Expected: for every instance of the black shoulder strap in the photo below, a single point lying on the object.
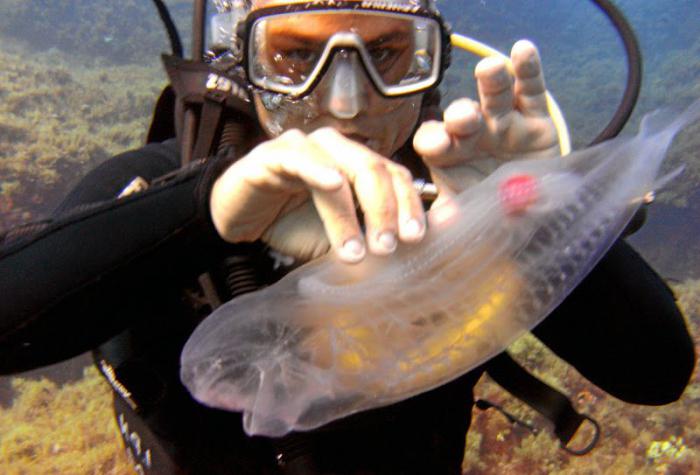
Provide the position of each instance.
(546, 400)
(209, 94)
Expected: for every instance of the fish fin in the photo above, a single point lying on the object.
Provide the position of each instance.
(669, 120)
(661, 181)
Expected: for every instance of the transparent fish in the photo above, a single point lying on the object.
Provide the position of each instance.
(331, 339)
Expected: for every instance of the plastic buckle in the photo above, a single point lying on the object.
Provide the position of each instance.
(593, 442)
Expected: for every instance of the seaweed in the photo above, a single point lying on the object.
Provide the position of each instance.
(59, 119)
(64, 429)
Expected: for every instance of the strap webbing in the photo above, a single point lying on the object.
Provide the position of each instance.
(209, 122)
(546, 400)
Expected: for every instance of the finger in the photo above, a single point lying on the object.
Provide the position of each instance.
(411, 215)
(373, 185)
(337, 212)
(439, 149)
(432, 142)
(291, 158)
(300, 157)
(495, 88)
(443, 211)
(530, 91)
(463, 118)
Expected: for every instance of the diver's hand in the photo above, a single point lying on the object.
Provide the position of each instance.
(510, 121)
(267, 193)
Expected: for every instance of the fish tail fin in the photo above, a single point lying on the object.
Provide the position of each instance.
(657, 131)
(669, 121)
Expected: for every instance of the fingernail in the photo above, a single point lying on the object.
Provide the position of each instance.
(386, 242)
(413, 229)
(353, 250)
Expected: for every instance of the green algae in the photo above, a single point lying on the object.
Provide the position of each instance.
(58, 120)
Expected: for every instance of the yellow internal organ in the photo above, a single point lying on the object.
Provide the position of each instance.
(446, 341)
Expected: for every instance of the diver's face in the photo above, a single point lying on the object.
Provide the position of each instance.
(345, 97)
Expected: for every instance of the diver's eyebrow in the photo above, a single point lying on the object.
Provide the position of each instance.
(296, 39)
(395, 35)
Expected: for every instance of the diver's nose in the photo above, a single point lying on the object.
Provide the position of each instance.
(346, 96)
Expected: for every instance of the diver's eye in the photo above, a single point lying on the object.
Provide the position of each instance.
(381, 55)
(300, 55)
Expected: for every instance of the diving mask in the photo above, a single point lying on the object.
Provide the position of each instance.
(404, 49)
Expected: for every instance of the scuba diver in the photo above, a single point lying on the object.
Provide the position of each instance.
(343, 109)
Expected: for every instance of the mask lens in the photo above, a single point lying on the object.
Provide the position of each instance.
(281, 54)
(287, 52)
(422, 60)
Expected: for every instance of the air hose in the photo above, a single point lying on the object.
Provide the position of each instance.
(634, 71)
(170, 28)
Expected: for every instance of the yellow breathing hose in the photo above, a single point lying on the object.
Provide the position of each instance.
(480, 49)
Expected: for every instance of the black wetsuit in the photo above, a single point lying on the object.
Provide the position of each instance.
(121, 276)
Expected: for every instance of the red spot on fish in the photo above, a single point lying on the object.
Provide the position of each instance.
(517, 193)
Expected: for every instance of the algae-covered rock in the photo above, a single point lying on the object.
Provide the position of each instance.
(66, 429)
(60, 118)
